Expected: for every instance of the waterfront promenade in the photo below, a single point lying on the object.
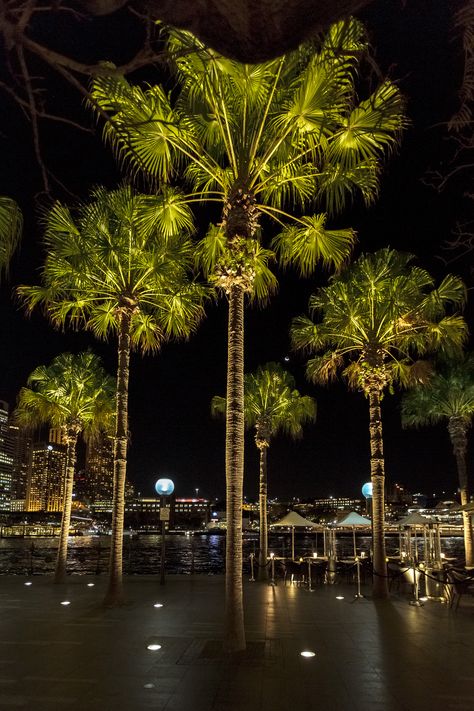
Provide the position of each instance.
(368, 657)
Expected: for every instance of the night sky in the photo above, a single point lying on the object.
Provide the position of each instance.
(171, 428)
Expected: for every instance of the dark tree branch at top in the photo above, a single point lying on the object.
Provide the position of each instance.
(247, 30)
(243, 29)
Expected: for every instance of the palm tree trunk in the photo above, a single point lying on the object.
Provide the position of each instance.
(234, 640)
(114, 594)
(458, 433)
(377, 475)
(263, 570)
(61, 558)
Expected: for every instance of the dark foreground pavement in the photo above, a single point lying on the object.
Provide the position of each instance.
(369, 656)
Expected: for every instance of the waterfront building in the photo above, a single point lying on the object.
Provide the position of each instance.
(6, 459)
(191, 513)
(334, 503)
(45, 489)
(97, 481)
(21, 446)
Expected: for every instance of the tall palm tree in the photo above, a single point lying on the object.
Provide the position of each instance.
(448, 397)
(272, 404)
(373, 320)
(11, 224)
(254, 140)
(75, 395)
(120, 266)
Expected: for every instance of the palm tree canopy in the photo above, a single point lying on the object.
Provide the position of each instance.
(258, 138)
(272, 404)
(74, 391)
(11, 224)
(376, 317)
(448, 394)
(121, 251)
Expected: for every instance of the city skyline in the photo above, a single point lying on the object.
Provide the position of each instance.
(172, 432)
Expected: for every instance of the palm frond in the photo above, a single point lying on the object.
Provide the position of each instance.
(308, 246)
(11, 226)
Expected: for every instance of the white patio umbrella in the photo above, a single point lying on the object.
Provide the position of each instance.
(293, 520)
(413, 521)
(354, 520)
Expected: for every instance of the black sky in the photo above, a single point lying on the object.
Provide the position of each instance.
(172, 432)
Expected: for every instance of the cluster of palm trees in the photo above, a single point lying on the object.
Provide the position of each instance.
(254, 145)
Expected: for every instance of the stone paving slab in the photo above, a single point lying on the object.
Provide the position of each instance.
(370, 656)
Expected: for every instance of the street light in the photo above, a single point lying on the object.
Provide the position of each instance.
(163, 487)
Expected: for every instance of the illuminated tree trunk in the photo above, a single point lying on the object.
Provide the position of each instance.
(114, 594)
(61, 558)
(234, 640)
(377, 475)
(263, 555)
(457, 428)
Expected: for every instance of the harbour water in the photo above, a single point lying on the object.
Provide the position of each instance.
(185, 554)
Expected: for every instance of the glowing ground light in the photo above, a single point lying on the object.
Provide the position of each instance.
(148, 686)
(339, 597)
(154, 647)
(65, 602)
(308, 654)
(28, 583)
(90, 585)
(158, 604)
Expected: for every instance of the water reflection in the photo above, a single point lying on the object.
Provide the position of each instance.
(200, 553)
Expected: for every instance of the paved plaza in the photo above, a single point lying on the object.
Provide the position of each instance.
(368, 656)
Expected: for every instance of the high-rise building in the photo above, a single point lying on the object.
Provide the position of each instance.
(45, 488)
(21, 444)
(99, 475)
(6, 459)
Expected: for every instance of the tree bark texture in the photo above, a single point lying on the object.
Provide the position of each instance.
(234, 640)
(377, 475)
(457, 427)
(61, 557)
(263, 555)
(114, 594)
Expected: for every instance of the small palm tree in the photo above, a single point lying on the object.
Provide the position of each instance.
(75, 395)
(261, 142)
(120, 266)
(11, 224)
(271, 405)
(448, 397)
(372, 321)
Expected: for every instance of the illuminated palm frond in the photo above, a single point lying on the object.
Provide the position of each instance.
(11, 225)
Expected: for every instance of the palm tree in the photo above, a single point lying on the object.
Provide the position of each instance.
(271, 405)
(11, 224)
(75, 395)
(448, 397)
(375, 318)
(254, 139)
(120, 266)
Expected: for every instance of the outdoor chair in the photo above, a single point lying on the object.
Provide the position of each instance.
(318, 571)
(459, 584)
(294, 571)
(365, 570)
(345, 571)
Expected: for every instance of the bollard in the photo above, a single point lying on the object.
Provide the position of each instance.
(309, 575)
(252, 578)
(416, 602)
(358, 594)
(272, 558)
